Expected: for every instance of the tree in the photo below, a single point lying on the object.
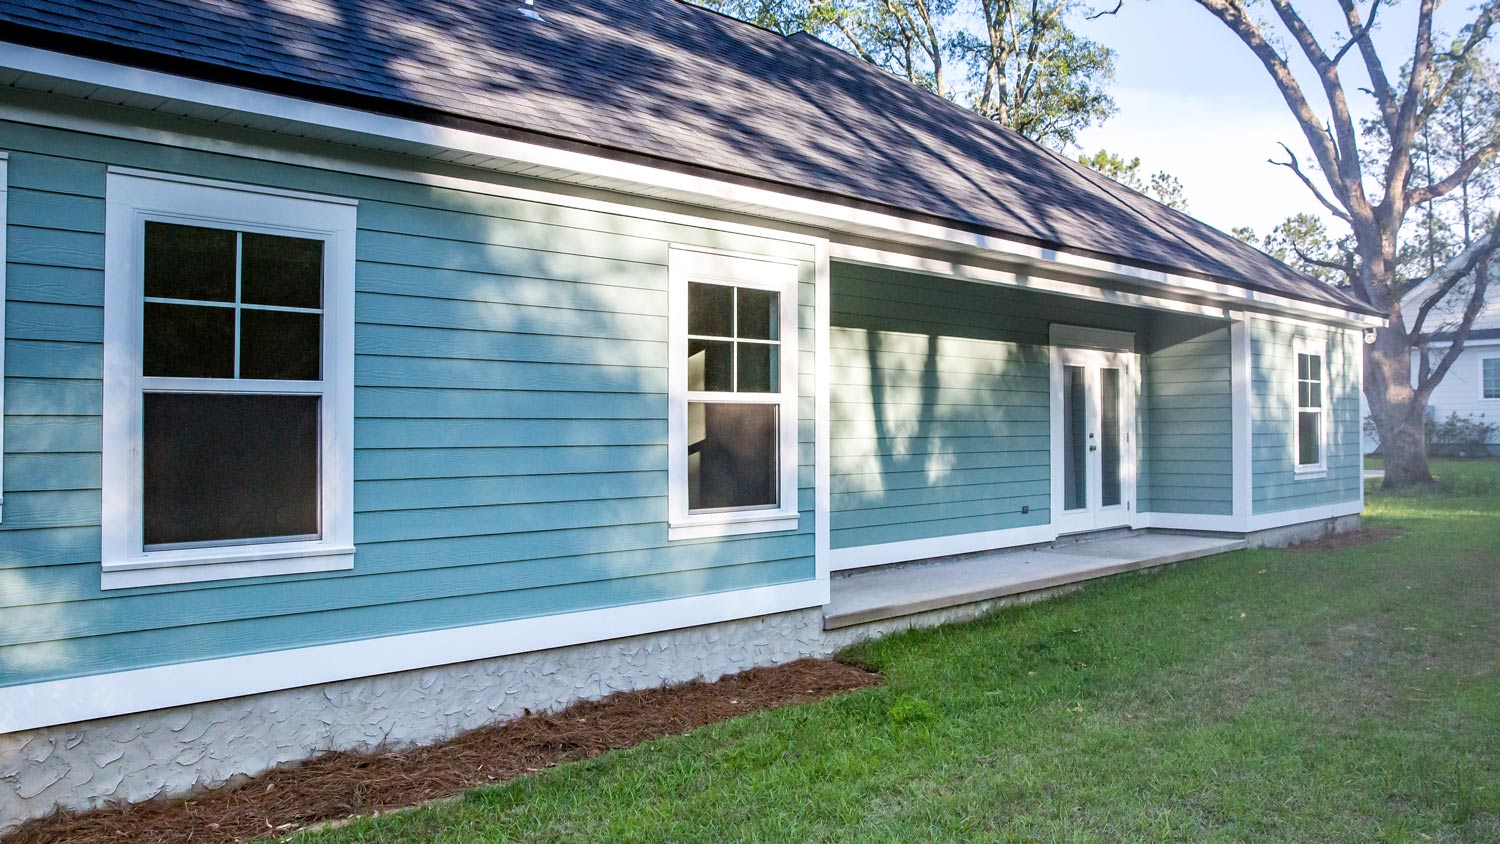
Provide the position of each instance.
(1375, 190)
(1020, 65)
(1031, 72)
(1160, 186)
(1302, 241)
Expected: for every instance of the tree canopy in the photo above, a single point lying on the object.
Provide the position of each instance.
(1021, 65)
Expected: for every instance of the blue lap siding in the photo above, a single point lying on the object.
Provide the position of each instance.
(1277, 486)
(940, 406)
(510, 431)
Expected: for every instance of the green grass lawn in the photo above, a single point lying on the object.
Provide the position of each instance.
(1310, 696)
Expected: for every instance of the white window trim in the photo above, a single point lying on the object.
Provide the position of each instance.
(133, 196)
(1483, 359)
(1308, 346)
(688, 264)
(4, 237)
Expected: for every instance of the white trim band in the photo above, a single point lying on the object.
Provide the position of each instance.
(104, 695)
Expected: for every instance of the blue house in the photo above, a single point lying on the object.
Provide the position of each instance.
(375, 370)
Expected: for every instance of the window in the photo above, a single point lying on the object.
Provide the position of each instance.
(1489, 378)
(1311, 437)
(228, 381)
(733, 375)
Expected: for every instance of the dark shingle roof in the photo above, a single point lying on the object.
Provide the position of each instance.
(671, 82)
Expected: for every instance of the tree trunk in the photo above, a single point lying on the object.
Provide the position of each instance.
(1400, 411)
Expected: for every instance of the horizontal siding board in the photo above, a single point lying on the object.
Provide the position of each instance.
(511, 422)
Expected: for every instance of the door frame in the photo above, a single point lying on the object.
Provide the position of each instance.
(1095, 349)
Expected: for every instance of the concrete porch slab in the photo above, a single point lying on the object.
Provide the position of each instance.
(894, 592)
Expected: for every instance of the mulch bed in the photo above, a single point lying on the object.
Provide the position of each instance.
(1352, 539)
(341, 785)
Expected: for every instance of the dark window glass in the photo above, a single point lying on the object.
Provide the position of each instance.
(711, 365)
(1109, 436)
(1075, 439)
(1308, 425)
(221, 468)
(710, 310)
(282, 345)
(1314, 368)
(732, 455)
(286, 271)
(757, 368)
(758, 315)
(1303, 367)
(189, 262)
(1491, 373)
(188, 341)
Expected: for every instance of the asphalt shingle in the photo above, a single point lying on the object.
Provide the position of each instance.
(671, 81)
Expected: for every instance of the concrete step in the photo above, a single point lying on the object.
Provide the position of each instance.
(894, 592)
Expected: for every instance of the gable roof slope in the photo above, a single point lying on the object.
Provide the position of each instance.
(675, 83)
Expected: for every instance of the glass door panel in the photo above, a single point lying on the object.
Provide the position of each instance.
(1110, 413)
(1075, 438)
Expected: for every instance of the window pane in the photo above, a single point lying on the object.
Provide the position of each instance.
(711, 310)
(758, 316)
(188, 341)
(1308, 438)
(1302, 367)
(225, 468)
(1314, 395)
(732, 455)
(1314, 368)
(285, 271)
(189, 262)
(280, 345)
(757, 369)
(1075, 440)
(1109, 437)
(711, 365)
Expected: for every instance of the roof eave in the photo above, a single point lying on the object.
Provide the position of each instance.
(505, 149)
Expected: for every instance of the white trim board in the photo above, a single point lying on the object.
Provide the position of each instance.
(103, 695)
(861, 556)
(1242, 383)
(506, 154)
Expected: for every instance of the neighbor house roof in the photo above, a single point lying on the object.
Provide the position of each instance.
(673, 83)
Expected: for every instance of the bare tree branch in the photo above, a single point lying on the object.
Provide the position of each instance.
(1450, 274)
(1293, 165)
(1346, 138)
(1357, 33)
(1234, 15)
(1427, 193)
(1429, 379)
(1115, 11)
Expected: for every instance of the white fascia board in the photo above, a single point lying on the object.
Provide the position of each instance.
(103, 695)
(590, 169)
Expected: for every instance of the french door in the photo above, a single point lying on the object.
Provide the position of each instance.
(1093, 439)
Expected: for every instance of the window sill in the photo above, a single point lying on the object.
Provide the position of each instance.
(715, 525)
(227, 563)
(1311, 474)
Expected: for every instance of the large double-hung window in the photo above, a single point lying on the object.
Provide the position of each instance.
(733, 374)
(228, 381)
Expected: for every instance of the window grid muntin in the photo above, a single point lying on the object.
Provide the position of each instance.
(238, 304)
(735, 340)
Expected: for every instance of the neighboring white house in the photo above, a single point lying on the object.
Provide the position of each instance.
(1472, 386)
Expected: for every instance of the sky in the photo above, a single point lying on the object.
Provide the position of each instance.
(1195, 102)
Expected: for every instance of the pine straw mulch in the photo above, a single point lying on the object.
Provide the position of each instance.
(1349, 539)
(340, 785)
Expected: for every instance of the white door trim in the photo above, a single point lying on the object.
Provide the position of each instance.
(1095, 516)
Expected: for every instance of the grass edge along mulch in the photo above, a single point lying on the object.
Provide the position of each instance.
(337, 786)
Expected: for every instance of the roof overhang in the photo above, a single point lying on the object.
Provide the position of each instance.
(90, 80)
